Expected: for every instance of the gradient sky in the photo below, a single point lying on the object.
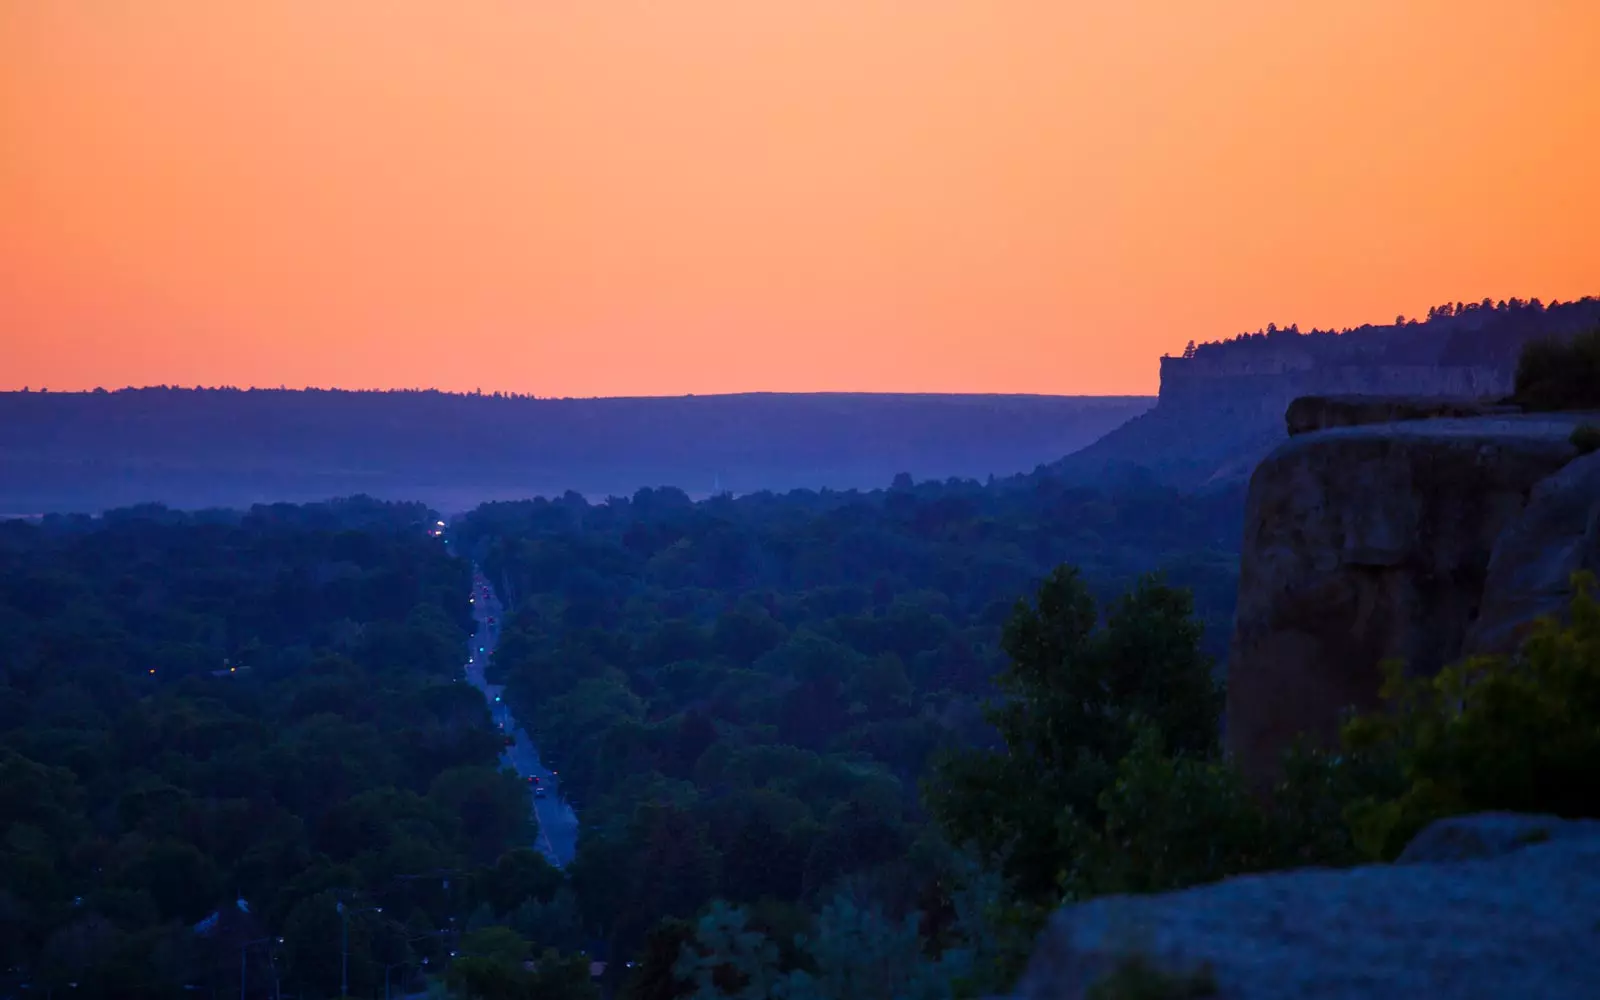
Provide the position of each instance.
(607, 197)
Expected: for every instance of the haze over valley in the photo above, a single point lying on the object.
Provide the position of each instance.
(190, 448)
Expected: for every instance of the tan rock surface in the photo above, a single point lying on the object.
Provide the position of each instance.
(1364, 543)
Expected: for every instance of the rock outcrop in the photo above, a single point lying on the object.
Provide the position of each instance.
(1221, 408)
(1533, 561)
(1209, 430)
(1489, 906)
(1368, 542)
(1320, 413)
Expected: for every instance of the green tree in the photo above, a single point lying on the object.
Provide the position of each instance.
(561, 977)
(552, 923)
(729, 959)
(488, 965)
(1070, 698)
(314, 938)
(653, 977)
(672, 874)
(1556, 373)
(1168, 822)
(521, 874)
(492, 805)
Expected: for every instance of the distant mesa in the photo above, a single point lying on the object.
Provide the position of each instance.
(1222, 405)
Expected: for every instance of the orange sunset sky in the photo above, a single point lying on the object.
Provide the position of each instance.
(616, 197)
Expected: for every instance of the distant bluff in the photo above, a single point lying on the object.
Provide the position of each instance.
(1222, 404)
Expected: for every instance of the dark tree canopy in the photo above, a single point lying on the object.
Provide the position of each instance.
(203, 709)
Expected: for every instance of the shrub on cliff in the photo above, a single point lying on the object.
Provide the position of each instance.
(1518, 733)
(1556, 374)
(1171, 821)
(1586, 438)
(855, 951)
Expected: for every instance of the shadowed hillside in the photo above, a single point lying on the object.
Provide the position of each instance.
(230, 447)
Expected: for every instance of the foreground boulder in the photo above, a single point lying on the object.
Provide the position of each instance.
(1487, 906)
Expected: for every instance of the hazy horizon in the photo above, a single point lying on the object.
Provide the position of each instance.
(612, 200)
(489, 392)
(82, 451)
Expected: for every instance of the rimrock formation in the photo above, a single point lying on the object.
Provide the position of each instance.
(1422, 539)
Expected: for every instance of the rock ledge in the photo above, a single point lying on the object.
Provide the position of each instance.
(1319, 413)
(1485, 906)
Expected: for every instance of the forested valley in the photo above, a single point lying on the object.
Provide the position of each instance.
(744, 695)
(220, 726)
(821, 745)
(216, 727)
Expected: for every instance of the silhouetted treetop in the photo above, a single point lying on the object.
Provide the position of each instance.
(1486, 333)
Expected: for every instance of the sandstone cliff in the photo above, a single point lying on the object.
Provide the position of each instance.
(1422, 539)
(1210, 428)
(1417, 527)
(1221, 406)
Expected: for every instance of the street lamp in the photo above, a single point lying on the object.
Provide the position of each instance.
(386, 968)
(344, 942)
(244, 950)
(421, 964)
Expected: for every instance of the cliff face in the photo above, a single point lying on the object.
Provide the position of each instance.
(1215, 421)
(1419, 539)
(1271, 382)
(1533, 560)
(1221, 410)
